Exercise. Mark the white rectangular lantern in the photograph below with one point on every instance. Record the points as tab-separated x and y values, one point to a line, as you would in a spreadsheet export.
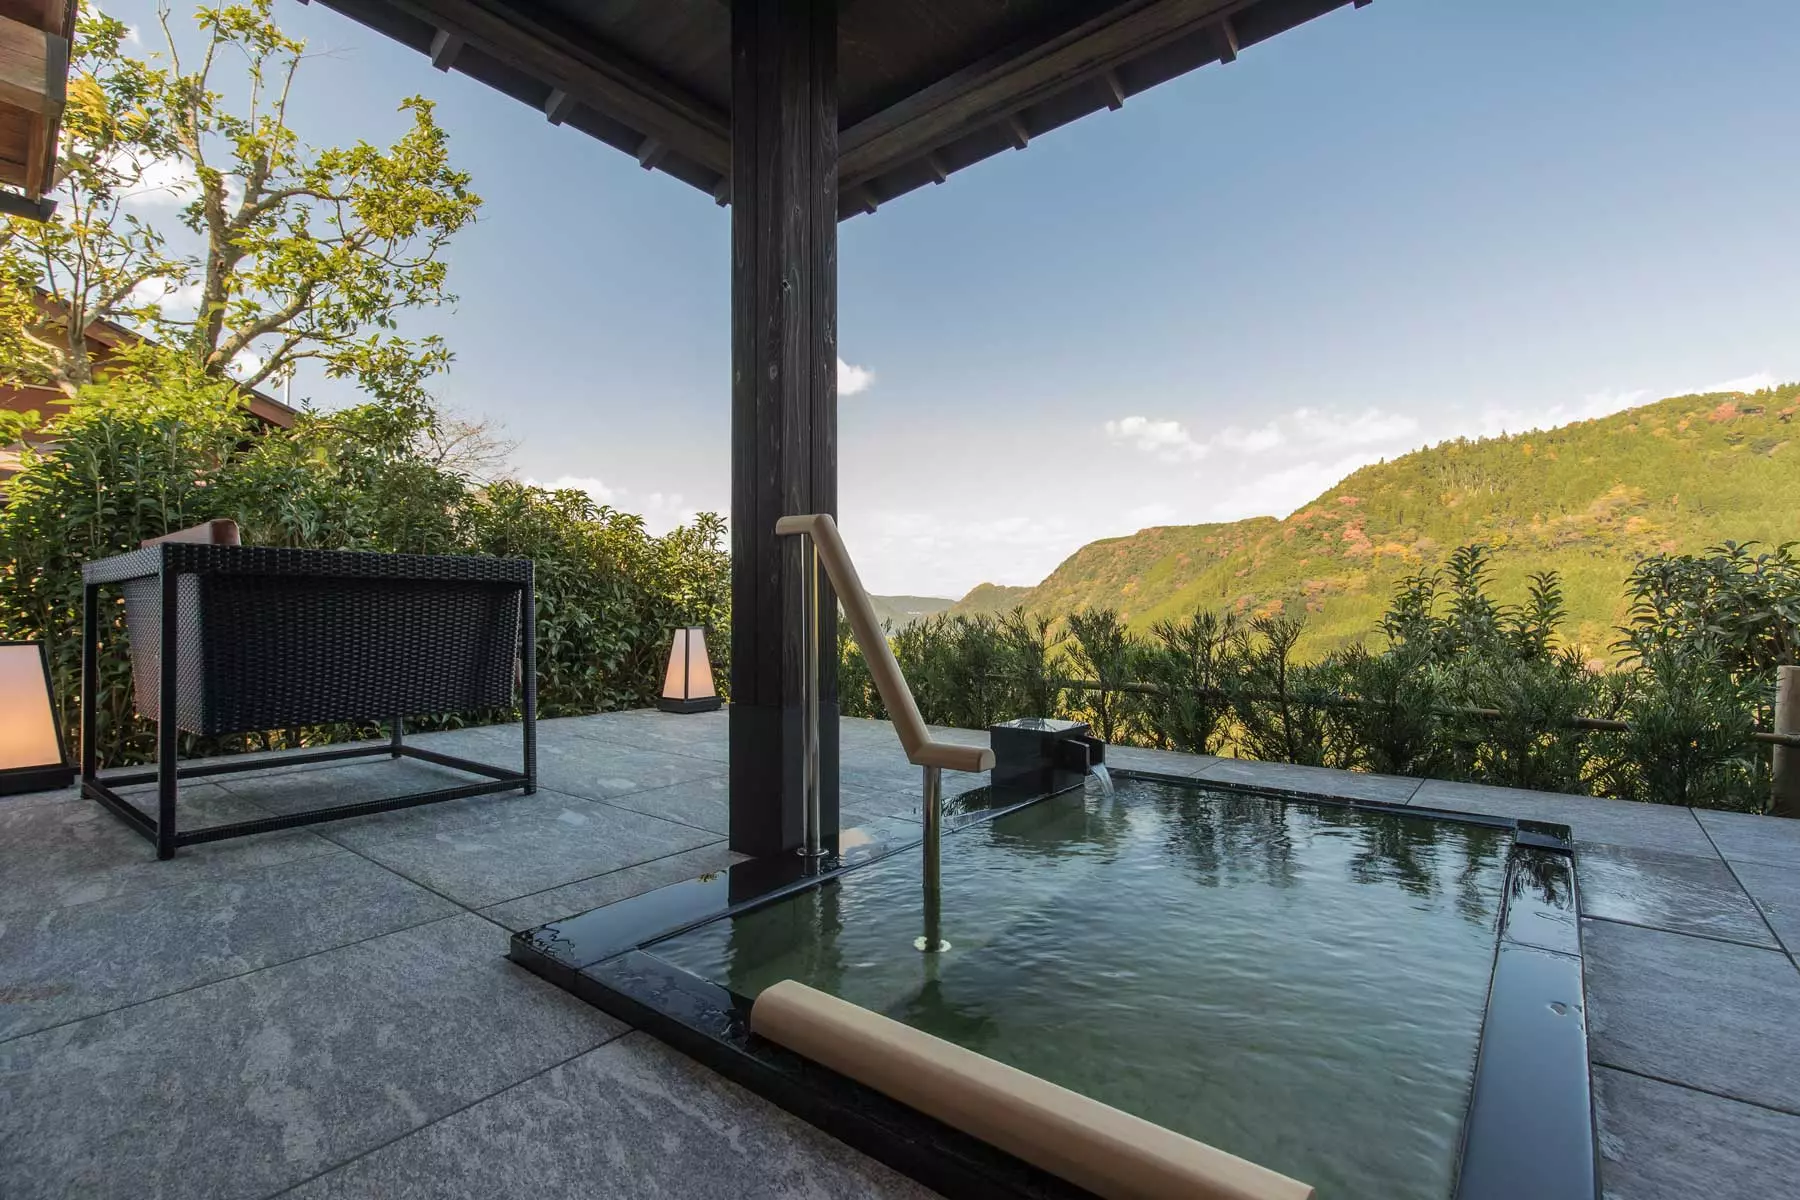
688	683
31	747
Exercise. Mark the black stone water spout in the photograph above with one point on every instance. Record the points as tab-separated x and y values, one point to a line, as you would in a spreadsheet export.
1039	756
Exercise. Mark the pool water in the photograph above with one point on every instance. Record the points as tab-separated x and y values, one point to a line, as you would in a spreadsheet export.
1302	985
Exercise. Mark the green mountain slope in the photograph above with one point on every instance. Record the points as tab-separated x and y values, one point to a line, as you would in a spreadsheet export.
992	598
900	611
1586	500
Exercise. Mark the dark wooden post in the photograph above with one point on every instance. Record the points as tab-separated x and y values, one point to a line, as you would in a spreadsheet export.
1786	759
783	401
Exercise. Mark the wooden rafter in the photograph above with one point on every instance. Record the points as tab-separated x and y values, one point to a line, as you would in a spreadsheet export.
1014	77
445	46
597	75
1226	36
613	70
1115	91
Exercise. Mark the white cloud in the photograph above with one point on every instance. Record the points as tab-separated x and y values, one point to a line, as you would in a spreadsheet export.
662	511
853	379
1278	493
1493	422
938	553
246	363
1146	516
1250	441
153	183
1167	440
174	298
1603	403
1755	382
601	493
158	182
1170	441
133	34
1368	427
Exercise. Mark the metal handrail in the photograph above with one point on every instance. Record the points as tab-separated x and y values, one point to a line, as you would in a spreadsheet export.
824	548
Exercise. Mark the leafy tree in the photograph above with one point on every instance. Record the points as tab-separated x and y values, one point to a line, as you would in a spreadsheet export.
1688	737
1392	723
281	254
1274	698
956	667
1189	662
1467	687
1033	641
1744	606
131	459
857	696
1103	651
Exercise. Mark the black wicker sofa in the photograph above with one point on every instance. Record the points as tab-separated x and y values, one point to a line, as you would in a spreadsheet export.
237	639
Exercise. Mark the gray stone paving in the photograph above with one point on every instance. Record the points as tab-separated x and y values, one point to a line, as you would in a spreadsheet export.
326	1012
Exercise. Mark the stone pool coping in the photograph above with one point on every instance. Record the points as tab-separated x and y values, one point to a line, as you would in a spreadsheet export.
1529	1130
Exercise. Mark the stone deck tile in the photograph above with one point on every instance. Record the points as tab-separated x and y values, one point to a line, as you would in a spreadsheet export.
73	851
599	771
528	912
1705	1014
242	1088
1662	1142
1746	837
632	1118
701	803
533	850
1163	762
1390	789
64	963
694	735
1776	891
1607	822
298	791
1677	892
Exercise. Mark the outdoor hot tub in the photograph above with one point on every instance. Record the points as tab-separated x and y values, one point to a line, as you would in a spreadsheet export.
1376	1001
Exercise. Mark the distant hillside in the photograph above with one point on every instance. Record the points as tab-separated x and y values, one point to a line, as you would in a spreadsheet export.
1586	500
992	598
900	611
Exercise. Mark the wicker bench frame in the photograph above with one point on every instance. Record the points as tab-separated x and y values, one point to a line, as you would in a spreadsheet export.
168	573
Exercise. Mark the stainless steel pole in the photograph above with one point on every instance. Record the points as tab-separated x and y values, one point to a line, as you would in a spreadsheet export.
933	942
809	556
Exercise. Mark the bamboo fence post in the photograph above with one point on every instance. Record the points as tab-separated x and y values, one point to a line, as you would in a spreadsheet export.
1787	758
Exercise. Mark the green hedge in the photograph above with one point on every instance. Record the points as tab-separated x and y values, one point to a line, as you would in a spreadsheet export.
1706	634
135	459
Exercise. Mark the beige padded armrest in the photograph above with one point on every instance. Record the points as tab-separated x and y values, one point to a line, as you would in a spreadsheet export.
1093	1145
222	532
889	682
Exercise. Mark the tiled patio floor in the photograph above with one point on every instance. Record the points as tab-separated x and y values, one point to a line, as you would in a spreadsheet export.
327	1012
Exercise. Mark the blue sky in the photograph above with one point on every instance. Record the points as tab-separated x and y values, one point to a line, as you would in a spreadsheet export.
1396	224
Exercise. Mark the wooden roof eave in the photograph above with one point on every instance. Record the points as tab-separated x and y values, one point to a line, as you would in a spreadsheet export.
34	75
1086	62
573	80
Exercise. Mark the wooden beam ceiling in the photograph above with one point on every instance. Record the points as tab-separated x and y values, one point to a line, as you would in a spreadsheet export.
1083	57
1000	84
588	72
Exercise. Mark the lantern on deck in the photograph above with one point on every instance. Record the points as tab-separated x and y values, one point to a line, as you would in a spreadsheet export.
32	758
688	683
